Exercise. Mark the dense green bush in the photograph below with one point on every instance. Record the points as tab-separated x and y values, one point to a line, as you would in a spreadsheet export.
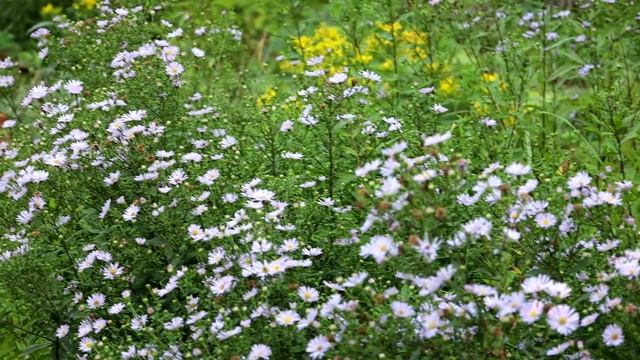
357	180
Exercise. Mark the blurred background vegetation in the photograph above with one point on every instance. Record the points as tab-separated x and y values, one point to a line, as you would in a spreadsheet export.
18	18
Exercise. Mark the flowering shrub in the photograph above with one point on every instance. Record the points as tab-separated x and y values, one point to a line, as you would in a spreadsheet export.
154	207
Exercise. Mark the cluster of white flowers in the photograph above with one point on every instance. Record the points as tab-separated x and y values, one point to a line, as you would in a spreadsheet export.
182	245
539	296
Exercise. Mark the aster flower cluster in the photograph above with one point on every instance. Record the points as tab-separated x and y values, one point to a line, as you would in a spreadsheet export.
329	226
513	225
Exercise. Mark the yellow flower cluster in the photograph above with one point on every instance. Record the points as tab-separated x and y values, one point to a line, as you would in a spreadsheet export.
338	51
50	10
410	44
326	41
267	97
376	51
448	85
489	76
86	4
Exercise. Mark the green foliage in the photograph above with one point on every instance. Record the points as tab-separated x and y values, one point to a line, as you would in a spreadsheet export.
198	165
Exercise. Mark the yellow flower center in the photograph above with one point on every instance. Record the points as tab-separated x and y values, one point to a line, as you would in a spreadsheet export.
562	320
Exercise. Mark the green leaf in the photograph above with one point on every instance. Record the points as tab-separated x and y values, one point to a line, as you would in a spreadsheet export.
559	43
36	347
631	134
562	71
157	241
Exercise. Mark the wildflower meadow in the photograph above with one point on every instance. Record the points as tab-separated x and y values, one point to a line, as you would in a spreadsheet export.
344	179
